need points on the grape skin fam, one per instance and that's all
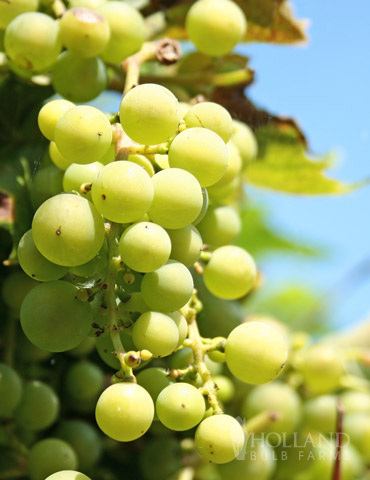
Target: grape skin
(154, 380)
(49, 456)
(10, 390)
(182, 325)
(76, 175)
(320, 414)
(212, 116)
(57, 158)
(233, 169)
(49, 115)
(11, 10)
(15, 288)
(186, 245)
(47, 181)
(245, 141)
(68, 475)
(84, 382)
(220, 226)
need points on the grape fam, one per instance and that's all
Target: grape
(255, 353)
(58, 159)
(10, 390)
(245, 141)
(76, 175)
(201, 152)
(147, 334)
(219, 438)
(83, 134)
(50, 114)
(145, 246)
(182, 358)
(320, 414)
(180, 406)
(234, 166)
(357, 426)
(168, 288)
(105, 348)
(84, 32)
(93, 4)
(68, 475)
(226, 389)
(53, 318)
(84, 348)
(94, 267)
(161, 161)
(212, 116)
(186, 245)
(154, 380)
(177, 199)
(50, 456)
(215, 26)
(78, 79)
(149, 114)
(68, 230)
(136, 303)
(84, 382)
(34, 264)
(354, 402)
(10, 10)
(220, 226)
(28, 352)
(143, 161)
(48, 181)
(38, 408)
(127, 31)
(226, 193)
(156, 450)
(15, 288)
(182, 325)
(109, 156)
(124, 411)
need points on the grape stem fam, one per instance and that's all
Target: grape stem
(260, 422)
(337, 464)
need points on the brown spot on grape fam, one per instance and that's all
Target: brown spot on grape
(59, 231)
(100, 134)
(103, 197)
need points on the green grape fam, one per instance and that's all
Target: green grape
(226, 388)
(135, 303)
(180, 406)
(220, 226)
(217, 357)
(47, 181)
(83, 134)
(28, 352)
(181, 359)
(219, 438)
(145, 246)
(149, 114)
(147, 334)
(357, 426)
(151, 463)
(226, 194)
(233, 169)
(212, 116)
(94, 267)
(34, 264)
(161, 161)
(154, 380)
(50, 114)
(294, 457)
(10, 390)
(186, 245)
(354, 402)
(76, 175)
(255, 353)
(168, 288)
(104, 347)
(38, 408)
(83, 349)
(32, 41)
(215, 368)
(215, 26)
(143, 161)
(79, 79)
(182, 325)
(84, 440)
(177, 198)
(245, 141)
(15, 288)
(68, 475)
(11, 10)
(109, 156)
(231, 273)
(50, 456)
(124, 411)
(122, 192)
(204, 207)
(320, 414)
(57, 158)
(84, 32)
(53, 318)
(127, 31)
(84, 382)
(68, 230)
(201, 152)
(93, 4)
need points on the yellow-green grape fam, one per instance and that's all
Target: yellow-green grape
(84, 381)
(57, 158)
(68, 230)
(178, 198)
(84, 32)
(47, 181)
(180, 406)
(83, 134)
(320, 414)
(124, 411)
(233, 169)
(93, 4)
(354, 401)
(226, 194)
(154, 380)
(127, 31)
(28, 352)
(182, 325)
(136, 303)
(220, 226)
(49, 456)
(255, 353)
(181, 359)
(83, 349)
(148, 334)
(76, 175)
(68, 475)
(15, 288)
(186, 245)
(149, 114)
(50, 114)
(204, 207)
(109, 156)
(105, 349)
(38, 408)
(231, 273)
(122, 192)
(226, 388)
(219, 438)
(357, 426)
(145, 246)
(143, 162)
(156, 449)
(212, 116)
(201, 152)
(215, 26)
(10, 10)
(161, 161)
(34, 264)
(245, 141)
(10, 390)
(78, 79)
(216, 358)
(94, 267)
(32, 41)
(168, 288)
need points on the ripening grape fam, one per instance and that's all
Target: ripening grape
(152, 464)
(10, 390)
(15, 288)
(219, 438)
(28, 352)
(320, 414)
(226, 194)
(68, 475)
(245, 141)
(182, 325)
(53, 318)
(143, 162)
(161, 161)
(122, 192)
(182, 358)
(204, 207)
(94, 267)
(201, 152)
(124, 411)
(77, 175)
(83, 349)
(105, 349)
(255, 353)
(231, 273)
(10, 10)
(168, 288)
(212, 116)
(84, 381)
(220, 226)
(154, 380)
(93, 4)
(83, 134)
(186, 245)
(148, 334)
(57, 158)
(357, 426)
(234, 166)
(50, 456)
(145, 246)
(46, 182)
(49, 115)
(355, 402)
(178, 198)
(215, 26)
(135, 303)
(226, 388)
(149, 114)
(78, 79)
